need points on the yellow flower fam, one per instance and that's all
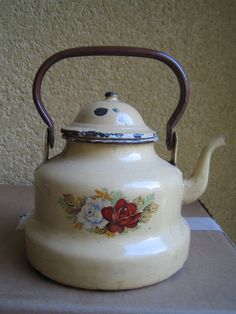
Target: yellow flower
(103, 194)
(79, 202)
(71, 210)
(69, 199)
(78, 225)
(109, 234)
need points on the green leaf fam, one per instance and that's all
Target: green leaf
(148, 199)
(145, 217)
(116, 195)
(148, 212)
(138, 201)
(69, 217)
(151, 208)
(62, 203)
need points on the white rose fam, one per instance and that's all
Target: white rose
(90, 213)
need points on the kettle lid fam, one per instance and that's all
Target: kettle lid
(109, 121)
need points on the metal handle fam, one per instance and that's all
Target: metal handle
(114, 51)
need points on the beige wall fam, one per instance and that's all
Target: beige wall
(200, 34)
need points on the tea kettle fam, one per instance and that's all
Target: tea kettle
(108, 208)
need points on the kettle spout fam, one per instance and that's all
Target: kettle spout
(195, 186)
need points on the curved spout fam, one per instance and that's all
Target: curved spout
(195, 186)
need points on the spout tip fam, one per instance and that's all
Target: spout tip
(223, 139)
(217, 141)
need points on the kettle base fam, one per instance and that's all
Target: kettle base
(80, 265)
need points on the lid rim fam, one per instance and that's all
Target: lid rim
(97, 136)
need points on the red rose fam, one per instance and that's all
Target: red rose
(122, 215)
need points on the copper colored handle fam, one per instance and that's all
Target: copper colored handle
(114, 51)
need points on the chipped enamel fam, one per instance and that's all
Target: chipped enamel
(116, 121)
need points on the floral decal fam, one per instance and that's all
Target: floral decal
(122, 215)
(108, 213)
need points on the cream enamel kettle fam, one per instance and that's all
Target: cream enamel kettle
(108, 208)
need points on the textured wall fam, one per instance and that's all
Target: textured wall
(200, 34)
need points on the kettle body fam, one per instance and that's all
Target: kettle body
(66, 241)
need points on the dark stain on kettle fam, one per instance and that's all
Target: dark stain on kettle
(115, 110)
(138, 135)
(100, 111)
